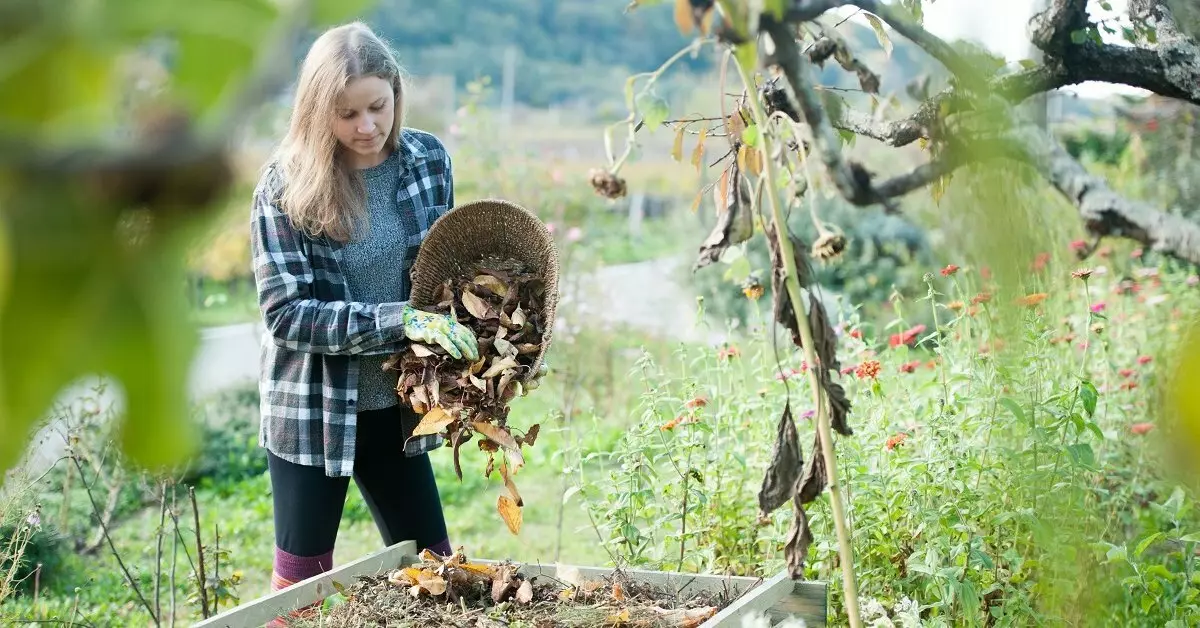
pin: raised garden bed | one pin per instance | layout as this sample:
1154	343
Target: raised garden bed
681	595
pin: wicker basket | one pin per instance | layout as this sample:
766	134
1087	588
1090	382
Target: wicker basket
484	228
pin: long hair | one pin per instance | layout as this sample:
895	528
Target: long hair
322	195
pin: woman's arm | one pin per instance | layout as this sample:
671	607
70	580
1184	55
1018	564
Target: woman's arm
284	278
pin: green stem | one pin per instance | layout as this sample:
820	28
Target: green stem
845	551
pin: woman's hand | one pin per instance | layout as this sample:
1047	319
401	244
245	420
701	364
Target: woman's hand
457	339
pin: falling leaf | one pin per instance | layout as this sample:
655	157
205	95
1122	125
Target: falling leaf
525	593
512	488
531	434
433	422
510	512
787	461
476	306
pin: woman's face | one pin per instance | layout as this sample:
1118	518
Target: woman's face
363	118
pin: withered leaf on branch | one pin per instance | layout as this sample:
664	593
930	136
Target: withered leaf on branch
735	219
823	335
781	305
812	482
839	405
799	538
787	460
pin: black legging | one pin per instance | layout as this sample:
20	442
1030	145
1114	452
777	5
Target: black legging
400	491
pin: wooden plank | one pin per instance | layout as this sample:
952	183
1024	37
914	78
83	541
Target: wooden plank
315	589
808	600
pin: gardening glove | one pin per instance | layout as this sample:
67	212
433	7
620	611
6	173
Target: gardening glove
457	339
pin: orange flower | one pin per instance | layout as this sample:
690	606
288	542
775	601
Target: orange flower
949	270
1126	372
753	292
856	333
1031	300
1144	359
1040	261
728	353
906	337
910	367
982	297
1129	384
868	369
697	402
954	306
896	440
1141	428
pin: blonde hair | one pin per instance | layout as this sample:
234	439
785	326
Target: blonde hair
321	194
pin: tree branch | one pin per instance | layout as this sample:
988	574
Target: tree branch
853	183
920	176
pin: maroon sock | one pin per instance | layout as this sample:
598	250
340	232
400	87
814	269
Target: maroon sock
290	569
441	548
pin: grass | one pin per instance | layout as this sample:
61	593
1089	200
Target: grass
554	528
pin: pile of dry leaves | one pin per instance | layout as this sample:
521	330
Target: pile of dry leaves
500	300
456	592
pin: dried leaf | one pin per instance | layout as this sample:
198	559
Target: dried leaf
839	405
677	147
420	350
478	383
531	434
735	222
491	282
457	439
698	152
518	317
799	538
525	593
433	583
505	348
617	592
503	584
499	365
685	617
619	619
433	422
477	307
782	305
823	335
498	435
510	512
812	482
787	460
512	488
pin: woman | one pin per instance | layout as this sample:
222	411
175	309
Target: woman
337	219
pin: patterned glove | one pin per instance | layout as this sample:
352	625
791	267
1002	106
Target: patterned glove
458	340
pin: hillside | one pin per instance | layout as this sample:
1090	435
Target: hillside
579	52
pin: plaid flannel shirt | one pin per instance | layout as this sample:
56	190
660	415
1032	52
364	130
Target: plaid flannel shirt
308	381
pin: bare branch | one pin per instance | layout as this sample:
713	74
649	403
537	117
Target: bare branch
853	183
932	44
920	176
1104	212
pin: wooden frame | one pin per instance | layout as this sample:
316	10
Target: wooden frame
777	597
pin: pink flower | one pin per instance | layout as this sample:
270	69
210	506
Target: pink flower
807	414
574	234
550	227
455	129
1078	245
1098	307
1144	359
556	175
1141	428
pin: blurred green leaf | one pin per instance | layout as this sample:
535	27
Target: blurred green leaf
61	85
208	67
654	109
328	12
750	135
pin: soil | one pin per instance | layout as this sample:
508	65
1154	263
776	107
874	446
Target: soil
473	595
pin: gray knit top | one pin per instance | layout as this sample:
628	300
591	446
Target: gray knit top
372	263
